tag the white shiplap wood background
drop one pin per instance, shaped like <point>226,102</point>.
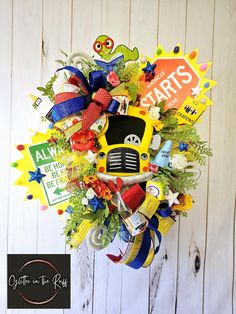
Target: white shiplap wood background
<point>32,31</point>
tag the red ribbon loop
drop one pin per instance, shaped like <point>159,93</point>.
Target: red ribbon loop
<point>101,100</point>
<point>90,115</point>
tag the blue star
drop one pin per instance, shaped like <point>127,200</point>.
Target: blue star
<point>36,176</point>
<point>183,147</point>
<point>96,204</point>
<point>69,209</point>
<point>149,68</point>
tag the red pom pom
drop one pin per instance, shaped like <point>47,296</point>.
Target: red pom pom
<point>20,147</point>
<point>75,121</point>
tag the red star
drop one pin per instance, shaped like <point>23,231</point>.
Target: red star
<point>149,77</point>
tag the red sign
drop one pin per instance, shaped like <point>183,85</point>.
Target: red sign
<point>173,82</point>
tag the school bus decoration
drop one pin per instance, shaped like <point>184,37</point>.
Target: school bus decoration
<point>124,144</point>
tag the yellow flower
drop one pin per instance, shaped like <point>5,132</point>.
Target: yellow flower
<point>106,194</point>
<point>185,203</point>
<point>158,125</point>
<point>90,179</point>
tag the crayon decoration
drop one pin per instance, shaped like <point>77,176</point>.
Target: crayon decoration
<point>163,156</point>
<point>43,105</point>
<point>118,146</point>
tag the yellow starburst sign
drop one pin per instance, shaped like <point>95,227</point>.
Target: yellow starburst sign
<point>178,80</point>
<point>44,177</point>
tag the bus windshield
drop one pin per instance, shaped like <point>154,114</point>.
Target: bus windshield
<point>121,126</point>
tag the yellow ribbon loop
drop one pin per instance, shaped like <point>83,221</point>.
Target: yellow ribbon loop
<point>165,223</point>
<point>81,233</point>
<point>149,206</point>
<point>151,254</point>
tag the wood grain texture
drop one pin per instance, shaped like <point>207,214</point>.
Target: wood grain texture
<point>141,14</point>
<point>221,195</point>
<point>195,270</point>
<point>192,238</point>
<point>162,291</point>
<point>56,34</point>
<point>84,27</point>
<point>5,125</point>
<point>26,73</point>
<point>53,23</point>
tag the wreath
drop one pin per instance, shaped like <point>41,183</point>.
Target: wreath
<point>118,149</point>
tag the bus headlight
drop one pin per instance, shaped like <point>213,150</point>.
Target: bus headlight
<point>101,155</point>
<point>144,156</point>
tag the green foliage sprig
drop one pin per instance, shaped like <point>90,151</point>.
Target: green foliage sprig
<point>200,152</point>
<point>178,181</point>
<point>47,90</point>
<point>125,72</point>
<point>62,62</point>
<point>89,67</point>
<point>61,141</point>
<point>75,218</point>
<point>184,133</point>
<point>112,229</point>
<point>133,90</point>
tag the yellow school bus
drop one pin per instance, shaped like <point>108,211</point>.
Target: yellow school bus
<point>124,144</point>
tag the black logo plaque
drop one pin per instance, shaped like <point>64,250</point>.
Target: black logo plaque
<point>38,281</point>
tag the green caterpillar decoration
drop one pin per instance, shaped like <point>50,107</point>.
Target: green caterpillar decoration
<point>103,46</point>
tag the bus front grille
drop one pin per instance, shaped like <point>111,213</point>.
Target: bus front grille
<point>123,160</point>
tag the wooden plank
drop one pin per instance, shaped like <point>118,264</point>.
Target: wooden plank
<point>5,123</point>
<point>144,13</point>
<point>234,266</point>
<point>163,279</point>
<point>192,229</point>
<point>26,56</point>
<point>107,282</point>
<point>108,277</point>
<point>56,36</point>
<point>135,283</point>
<point>221,198</point>
<point>26,68</point>
<point>86,24</point>
<point>86,20</point>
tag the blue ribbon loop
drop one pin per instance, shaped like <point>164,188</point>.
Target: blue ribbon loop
<point>164,210</point>
<point>69,107</point>
<point>143,252</point>
<point>146,244</point>
<point>80,75</point>
<point>153,225</point>
<point>97,79</point>
<point>124,233</point>
<point>113,106</point>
